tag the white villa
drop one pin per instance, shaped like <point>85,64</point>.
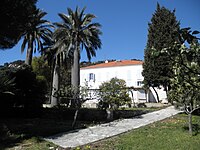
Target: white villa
<point>128,70</point>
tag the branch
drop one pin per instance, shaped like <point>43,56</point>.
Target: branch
<point>7,92</point>
<point>186,109</point>
<point>190,69</point>
<point>195,109</point>
<point>192,83</point>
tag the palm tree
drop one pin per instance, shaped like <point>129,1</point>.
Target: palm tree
<point>75,33</point>
<point>55,58</point>
<point>37,31</point>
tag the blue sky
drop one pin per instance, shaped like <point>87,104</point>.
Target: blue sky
<point>124,24</point>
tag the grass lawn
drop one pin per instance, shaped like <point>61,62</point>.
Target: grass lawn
<point>169,134</point>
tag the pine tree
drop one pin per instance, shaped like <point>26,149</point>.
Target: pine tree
<point>161,34</point>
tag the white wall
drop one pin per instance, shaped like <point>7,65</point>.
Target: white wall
<point>131,74</point>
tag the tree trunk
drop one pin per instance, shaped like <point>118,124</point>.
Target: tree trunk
<point>109,113</point>
<point>190,123</point>
<point>55,86</point>
<point>75,70</point>
<point>156,94</point>
<point>75,118</point>
<point>75,75</point>
<point>29,54</point>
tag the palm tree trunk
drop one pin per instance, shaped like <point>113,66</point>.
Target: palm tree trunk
<point>75,78</point>
<point>75,75</point>
<point>55,86</point>
<point>29,54</point>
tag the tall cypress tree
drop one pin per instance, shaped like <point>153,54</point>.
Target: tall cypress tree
<point>161,34</point>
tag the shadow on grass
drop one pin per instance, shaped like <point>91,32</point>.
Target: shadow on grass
<point>14,131</point>
<point>195,129</point>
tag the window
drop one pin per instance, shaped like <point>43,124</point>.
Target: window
<point>91,77</point>
<point>139,83</point>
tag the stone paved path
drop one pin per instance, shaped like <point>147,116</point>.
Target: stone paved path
<point>84,136</point>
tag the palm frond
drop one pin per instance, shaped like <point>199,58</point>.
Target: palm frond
<point>82,13</point>
<point>37,31</point>
<point>77,24</point>
<point>87,19</point>
<point>66,19</point>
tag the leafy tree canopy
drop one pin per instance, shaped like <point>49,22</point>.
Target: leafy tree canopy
<point>113,94</point>
<point>185,82</point>
<point>15,15</point>
<point>41,67</point>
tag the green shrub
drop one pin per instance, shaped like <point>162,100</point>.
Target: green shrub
<point>20,87</point>
<point>113,94</point>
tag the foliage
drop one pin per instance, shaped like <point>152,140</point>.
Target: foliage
<point>15,16</point>
<point>65,74</point>
<point>6,88</point>
<point>85,63</point>
<point>161,34</point>
<point>36,32</point>
<point>6,84</point>
<point>43,71</point>
<point>185,82</point>
<point>73,97</point>
<point>40,67</point>
<point>77,28</point>
<point>22,86</point>
<point>113,94</point>
<point>66,94</point>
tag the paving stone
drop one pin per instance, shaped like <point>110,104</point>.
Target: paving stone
<point>84,136</point>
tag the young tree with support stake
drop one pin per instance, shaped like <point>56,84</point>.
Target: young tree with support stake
<point>113,94</point>
<point>185,83</point>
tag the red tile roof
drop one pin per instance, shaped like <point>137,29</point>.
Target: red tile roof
<point>115,64</point>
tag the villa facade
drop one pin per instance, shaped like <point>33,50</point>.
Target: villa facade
<point>128,70</point>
